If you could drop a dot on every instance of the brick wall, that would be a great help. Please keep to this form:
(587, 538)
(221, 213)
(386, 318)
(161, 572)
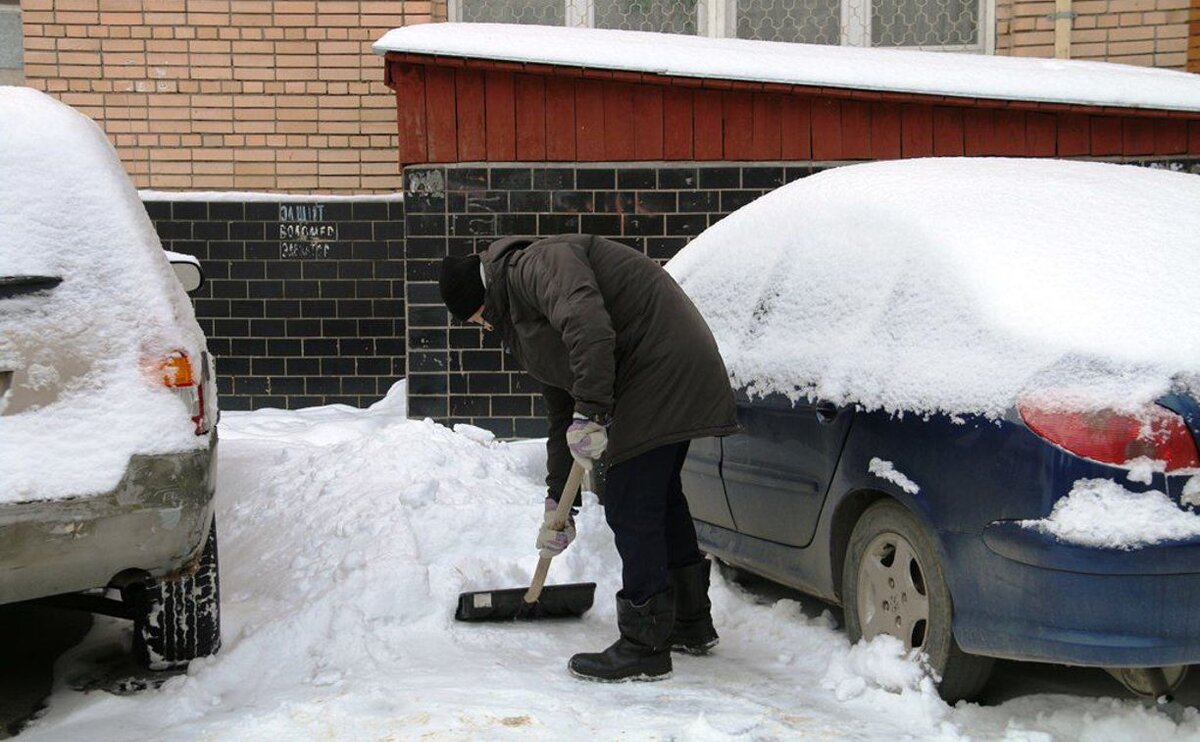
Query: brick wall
(1193, 64)
(304, 300)
(228, 94)
(1142, 32)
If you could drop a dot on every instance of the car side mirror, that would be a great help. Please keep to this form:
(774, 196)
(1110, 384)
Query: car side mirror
(187, 270)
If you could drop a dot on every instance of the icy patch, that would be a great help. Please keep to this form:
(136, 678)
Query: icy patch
(886, 470)
(1102, 513)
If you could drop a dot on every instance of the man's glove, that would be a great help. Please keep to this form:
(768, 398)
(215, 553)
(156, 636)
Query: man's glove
(586, 439)
(551, 543)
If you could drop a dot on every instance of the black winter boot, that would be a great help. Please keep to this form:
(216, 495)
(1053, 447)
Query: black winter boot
(693, 632)
(642, 652)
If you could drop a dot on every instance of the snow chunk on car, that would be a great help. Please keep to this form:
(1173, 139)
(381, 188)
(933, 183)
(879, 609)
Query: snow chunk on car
(1102, 513)
(957, 285)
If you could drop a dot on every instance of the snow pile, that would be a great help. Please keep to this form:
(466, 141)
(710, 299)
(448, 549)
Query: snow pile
(881, 663)
(346, 537)
(67, 209)
(1102, 513)
(957, 285)
(816, 65)
(886, 470)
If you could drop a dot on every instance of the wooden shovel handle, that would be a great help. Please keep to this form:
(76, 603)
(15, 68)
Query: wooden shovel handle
(566, 501)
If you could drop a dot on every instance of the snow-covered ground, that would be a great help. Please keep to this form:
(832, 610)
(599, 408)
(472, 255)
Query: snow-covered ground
(346, 536)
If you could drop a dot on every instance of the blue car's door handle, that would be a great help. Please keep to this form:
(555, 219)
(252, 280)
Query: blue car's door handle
(826, 411)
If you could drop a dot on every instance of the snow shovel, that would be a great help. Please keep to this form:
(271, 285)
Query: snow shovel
(539, 600)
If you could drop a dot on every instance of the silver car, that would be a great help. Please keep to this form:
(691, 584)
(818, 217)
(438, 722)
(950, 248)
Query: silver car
(108, 405)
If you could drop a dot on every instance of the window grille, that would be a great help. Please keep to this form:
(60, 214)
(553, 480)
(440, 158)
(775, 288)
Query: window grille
(12, 43)
(952, 25)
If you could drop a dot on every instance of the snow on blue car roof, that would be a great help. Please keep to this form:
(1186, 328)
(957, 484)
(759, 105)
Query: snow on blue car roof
(958, 285)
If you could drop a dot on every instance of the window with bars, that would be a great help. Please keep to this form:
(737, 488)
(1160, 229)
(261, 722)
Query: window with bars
(952, 25)
(11, 44)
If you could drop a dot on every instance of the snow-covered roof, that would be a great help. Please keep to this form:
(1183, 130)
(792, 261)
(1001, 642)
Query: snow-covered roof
(894, 70)
(958, 285)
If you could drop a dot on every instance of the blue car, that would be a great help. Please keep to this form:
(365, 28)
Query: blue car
(935, 525)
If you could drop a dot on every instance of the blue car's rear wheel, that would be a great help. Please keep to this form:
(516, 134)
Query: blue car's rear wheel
(893, 583)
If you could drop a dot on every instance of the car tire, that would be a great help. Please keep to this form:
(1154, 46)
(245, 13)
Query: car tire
(870, 597)
(179, 619)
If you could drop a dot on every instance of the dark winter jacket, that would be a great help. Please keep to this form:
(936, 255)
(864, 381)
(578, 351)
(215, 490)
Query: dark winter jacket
(609, 333)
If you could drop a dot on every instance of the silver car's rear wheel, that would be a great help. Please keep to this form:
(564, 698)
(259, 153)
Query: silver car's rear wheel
(893, 583)
(892, 597)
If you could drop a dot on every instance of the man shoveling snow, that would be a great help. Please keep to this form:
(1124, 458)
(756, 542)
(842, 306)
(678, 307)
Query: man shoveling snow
(623, 356)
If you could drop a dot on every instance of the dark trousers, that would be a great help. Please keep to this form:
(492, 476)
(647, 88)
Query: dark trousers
(645, 507)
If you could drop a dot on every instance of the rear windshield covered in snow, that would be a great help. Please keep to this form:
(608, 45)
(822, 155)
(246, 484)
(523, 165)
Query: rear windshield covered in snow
(957, 285)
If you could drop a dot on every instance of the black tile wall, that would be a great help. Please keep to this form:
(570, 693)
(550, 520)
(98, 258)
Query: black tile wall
(457, 373)
(304, 301)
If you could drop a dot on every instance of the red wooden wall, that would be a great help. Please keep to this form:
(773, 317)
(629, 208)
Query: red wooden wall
(459, 110)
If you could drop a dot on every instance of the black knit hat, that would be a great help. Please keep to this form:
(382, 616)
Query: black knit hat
(461, 285)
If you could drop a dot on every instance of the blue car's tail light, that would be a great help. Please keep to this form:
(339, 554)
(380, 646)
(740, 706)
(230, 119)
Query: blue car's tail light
(1112, 437)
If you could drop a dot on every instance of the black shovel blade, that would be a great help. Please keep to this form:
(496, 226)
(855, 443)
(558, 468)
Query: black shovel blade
(556, 601)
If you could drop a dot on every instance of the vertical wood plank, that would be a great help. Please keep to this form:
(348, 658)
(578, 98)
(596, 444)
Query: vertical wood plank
(1074, 135)
(472, 144)
(501, 116)
(677, 123)
(618, 121)
(648, 122)
(1041, 134)
(856, 130)
(1010, 132)
(739, 126)
(440, 114)
(796, 128)
(1137, 135)
(768, 121)
(1170, 137)
(560, 119)
(885, 131)
(708, 126)
(916, 129)
(948, 138)
(979, 132)
(589, 120)
(530, 93)
(1106, 135)
(826, 129)
(409, 83)
(1193, 146)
